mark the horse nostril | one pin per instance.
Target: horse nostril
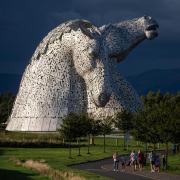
(147, 17)
(103, 98)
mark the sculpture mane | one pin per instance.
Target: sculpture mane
(57, 33)
(74, 69)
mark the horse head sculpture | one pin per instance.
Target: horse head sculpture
(74, 69)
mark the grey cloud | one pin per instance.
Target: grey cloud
(25, 23)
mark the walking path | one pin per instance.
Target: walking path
(104, 168)
(145, 173)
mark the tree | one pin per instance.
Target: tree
(175, 116)
(124, 121)
(170, 120)
(74, 126)
(151, 122)
(106, 128)
(6, 103)
(95, 129)
(152, 99)
(84, 127)
(159, 121)
(67, 130)
(147, 126)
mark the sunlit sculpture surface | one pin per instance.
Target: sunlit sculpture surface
(75, 69)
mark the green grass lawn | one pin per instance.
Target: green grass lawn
(57, 158)
(174, 163)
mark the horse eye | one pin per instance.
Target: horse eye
(113, 55)
(94, 54)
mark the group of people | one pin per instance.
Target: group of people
(137, 160)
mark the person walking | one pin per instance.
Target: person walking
(123, 163)
(140, 160)
(157, 163)
(152, 159)
(163, 162)
(115, 162)
(133, 159)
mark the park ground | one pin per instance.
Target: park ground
(57, 158)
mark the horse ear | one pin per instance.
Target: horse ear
(86, 32)
(86, 24)
(87, 28)
(104, 28)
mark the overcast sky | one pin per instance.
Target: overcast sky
(23, 24)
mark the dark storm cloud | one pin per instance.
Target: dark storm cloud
(24, 23)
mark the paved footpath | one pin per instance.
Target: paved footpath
(104, 168)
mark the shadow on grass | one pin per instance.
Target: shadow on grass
(15, 175)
